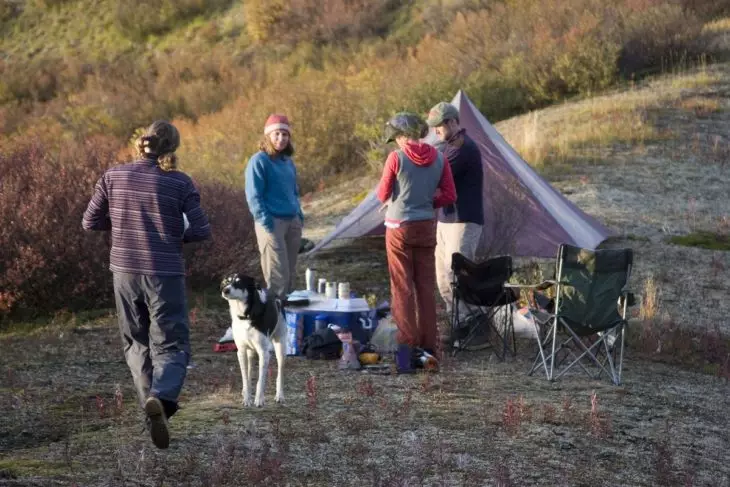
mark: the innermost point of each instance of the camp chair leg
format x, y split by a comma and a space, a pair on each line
588, 351
541, 344
621, 352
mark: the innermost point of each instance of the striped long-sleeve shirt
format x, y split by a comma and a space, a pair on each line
143, 207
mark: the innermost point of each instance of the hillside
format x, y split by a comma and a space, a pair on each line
71, 418
625, 108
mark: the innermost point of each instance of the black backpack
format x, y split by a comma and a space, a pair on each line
322, 345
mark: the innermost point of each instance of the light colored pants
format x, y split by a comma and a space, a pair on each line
279, 250
451, 238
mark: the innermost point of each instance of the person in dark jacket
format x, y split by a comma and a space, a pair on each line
147, 205
416, 180
460, 225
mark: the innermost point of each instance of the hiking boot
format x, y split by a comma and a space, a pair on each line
155, 412
426, 360
404, 359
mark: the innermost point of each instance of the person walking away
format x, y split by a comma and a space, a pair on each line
273, 199
144, 205
460, 225
416, 179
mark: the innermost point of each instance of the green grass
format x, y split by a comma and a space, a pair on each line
705, 240
60, 32
18, 326
21, 467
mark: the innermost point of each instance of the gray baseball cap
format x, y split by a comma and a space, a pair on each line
440, 113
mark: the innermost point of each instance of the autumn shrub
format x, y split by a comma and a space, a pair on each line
28, 81
707, 9
316, 20
47, 262
323, 112
232, 247
658, 36
46, 4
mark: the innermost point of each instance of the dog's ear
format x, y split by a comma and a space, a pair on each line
226, 281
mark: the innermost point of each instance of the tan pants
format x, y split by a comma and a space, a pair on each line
279, 250
451, 238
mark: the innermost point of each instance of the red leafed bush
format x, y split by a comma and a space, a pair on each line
47, 262
233, 245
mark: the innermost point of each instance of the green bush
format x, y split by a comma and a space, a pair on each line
9, 9
139, 19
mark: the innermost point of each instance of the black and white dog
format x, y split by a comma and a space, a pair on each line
258, 325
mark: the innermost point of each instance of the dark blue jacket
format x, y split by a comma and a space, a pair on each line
466, 167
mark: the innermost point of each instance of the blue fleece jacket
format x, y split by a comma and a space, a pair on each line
271, 189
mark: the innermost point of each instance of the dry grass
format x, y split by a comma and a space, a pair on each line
478, 421
69, 415
650, 301
719, 26
700, 106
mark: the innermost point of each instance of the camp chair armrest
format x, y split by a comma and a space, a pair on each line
540, 286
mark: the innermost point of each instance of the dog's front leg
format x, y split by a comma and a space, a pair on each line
251, 356
244, 363
279, 351
263, 368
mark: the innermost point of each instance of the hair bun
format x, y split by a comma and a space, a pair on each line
150, 143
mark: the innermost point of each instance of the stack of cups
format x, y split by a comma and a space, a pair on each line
343, 290
331, 290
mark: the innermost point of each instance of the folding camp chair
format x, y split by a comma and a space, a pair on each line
588, 312
487, 309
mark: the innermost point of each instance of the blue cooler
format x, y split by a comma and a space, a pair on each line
301, 324
361, 324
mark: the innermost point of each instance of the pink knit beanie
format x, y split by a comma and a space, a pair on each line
276, 122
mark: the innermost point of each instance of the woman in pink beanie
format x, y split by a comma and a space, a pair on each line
273, 199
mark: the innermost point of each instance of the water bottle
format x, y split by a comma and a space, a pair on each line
310, 277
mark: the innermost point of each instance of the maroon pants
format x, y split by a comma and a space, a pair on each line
412, 269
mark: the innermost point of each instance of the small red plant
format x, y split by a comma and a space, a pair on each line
118, 401
502, 474
365, 387
511, 417
194, 316
100, 407
598, 424
311, 390
548, 413
406, 405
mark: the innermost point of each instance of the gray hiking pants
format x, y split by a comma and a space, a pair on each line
279, 251
153, 322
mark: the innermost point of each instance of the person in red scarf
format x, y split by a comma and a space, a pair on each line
416, 181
